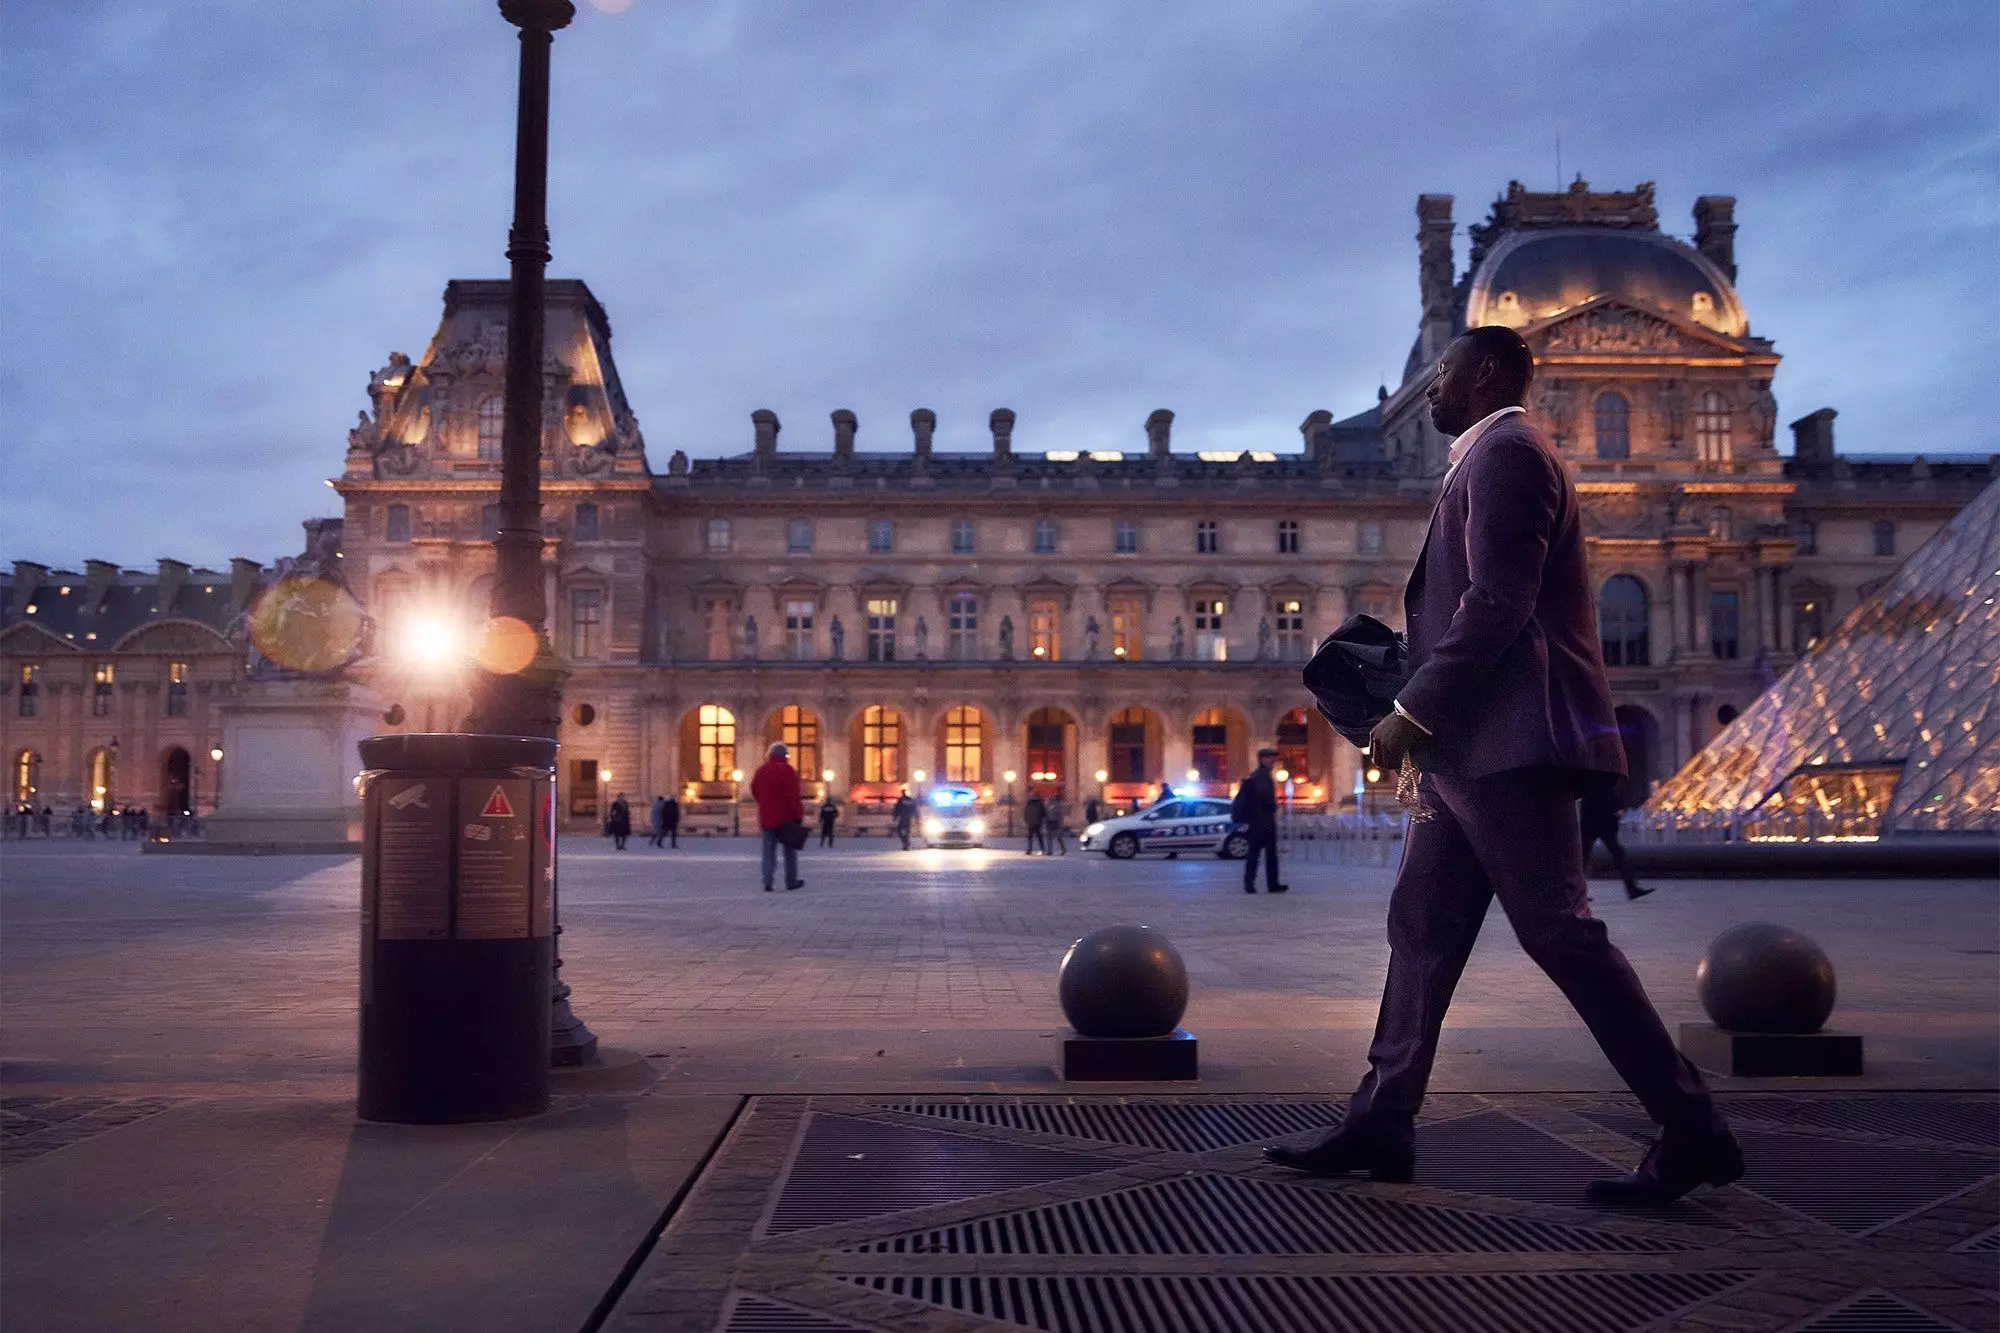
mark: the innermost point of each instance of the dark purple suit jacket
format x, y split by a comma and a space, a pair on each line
1505, 667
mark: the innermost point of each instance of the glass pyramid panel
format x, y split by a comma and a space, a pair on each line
1905, 690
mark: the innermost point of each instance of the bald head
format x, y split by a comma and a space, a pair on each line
1484, 370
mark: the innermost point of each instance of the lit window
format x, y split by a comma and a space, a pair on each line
798, 728
177, 689
1044, 630
1289, 618
1045, 536
31, 692
102, 681
1885, 536
1711, 428
799, 634
492, 425
586, 622
1721, 523
799, 535
881, 535
1622, 622
962, 625
1128, 626
881, 744
1206, 540
715, 742
882, 629
1288, 536
715, 628
1210, 642
489, 523
1723, 623
718, 535
1369, 538
964, 745
1295, 746
1613, 425
399, 523
586, 523
1125, 537
1211, 745
1128, 746
963, 537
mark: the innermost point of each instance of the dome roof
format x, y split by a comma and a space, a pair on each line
1530, 275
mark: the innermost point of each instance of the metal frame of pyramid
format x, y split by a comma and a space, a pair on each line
1889, 726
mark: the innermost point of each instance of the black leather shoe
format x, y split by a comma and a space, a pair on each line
1633, 893
1673, 1165
796, 884
1249, 888
1281, 888
1342, 1153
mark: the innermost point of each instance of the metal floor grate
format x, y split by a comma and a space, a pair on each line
1853, 1186
1408, 1303
754, 1314
847, 1168
1985, 1243
1212, 1214
1493, 1153
1946, 1121
31, 1125
1876, 1312
1174, 1126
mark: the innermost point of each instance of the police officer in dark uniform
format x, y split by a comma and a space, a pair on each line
1256, 808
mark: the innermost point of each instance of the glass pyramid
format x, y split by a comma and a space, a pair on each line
1891, 725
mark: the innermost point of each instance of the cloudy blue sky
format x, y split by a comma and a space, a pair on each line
222, 216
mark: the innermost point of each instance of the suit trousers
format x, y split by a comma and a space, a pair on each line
1266, 841
1513, 836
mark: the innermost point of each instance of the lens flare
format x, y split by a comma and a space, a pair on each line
507, 646
307, 624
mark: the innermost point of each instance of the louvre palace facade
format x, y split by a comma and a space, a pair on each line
899, 614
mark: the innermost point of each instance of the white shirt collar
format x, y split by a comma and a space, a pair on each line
1478, 428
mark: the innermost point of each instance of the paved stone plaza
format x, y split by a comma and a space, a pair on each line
178, 1057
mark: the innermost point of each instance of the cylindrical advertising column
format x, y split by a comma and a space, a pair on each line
457, 877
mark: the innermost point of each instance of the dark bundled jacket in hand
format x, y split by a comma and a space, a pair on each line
1355, 675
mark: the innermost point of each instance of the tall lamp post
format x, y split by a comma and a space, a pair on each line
528, 702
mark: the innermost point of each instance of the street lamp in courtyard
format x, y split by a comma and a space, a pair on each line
1008, 800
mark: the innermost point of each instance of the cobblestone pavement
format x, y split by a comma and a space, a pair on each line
893, 969
1097, 1215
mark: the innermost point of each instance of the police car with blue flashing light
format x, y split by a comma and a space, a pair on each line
951, 818
1183, 824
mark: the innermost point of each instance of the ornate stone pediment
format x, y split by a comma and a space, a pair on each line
1607, 326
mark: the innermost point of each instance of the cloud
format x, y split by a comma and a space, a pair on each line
1079, 212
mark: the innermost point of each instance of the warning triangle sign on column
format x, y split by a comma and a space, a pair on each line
497, 806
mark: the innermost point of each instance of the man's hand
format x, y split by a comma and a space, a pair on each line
1391, 740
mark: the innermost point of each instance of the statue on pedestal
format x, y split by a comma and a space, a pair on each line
1090, 633
1006, 638
836, 634
923, 640
1264, 640
750, 637
1177, 643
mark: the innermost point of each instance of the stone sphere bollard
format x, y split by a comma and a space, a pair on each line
1762, 977
1123, 981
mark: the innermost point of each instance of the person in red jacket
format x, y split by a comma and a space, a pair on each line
776, 788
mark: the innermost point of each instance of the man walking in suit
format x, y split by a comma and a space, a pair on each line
1600, 824
1508, 710
1256, 808
829, 813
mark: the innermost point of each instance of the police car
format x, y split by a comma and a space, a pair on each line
951, 818
1184, 824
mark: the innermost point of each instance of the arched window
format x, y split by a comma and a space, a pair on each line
1621, 620
881, 744
492, 424
25, 776
103, 790
1614, 426
798, 728
1128, 746
717, 742
964, 745
1711, 428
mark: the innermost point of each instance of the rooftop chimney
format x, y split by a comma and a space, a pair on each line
765, 422
1715, 231
1314, 429
1812, 437
923, 422
173, 577
245, 577
1002, 423
844, 424
1160, 433
28, 578
99, 575
1435, 275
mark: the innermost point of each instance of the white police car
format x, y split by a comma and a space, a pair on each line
1184, 824
951, 817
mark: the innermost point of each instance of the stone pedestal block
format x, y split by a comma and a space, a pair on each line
1772, 1054
289, 759
1128, 1059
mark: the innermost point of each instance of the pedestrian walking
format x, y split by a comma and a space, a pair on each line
1090, 812
1508, 708
619, 825
1598, 822
1166, 794
656, 826
1256, 809
780, 815
829, 813
1035, 814
671, 816
1052, 826
902, 815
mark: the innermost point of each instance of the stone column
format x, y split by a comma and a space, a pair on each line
1176, 746
1682, 732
